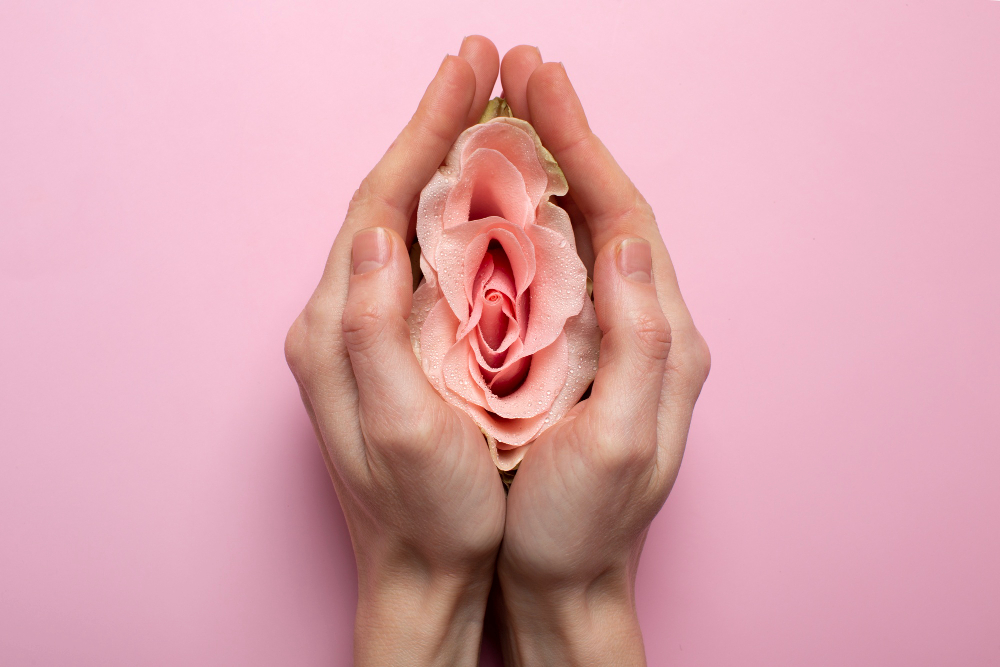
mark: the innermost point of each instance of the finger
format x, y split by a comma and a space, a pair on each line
482, 55
392, 389
388, 195
515, 70
605, 195
634, 350
607, 198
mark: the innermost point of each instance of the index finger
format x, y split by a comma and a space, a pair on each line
389, 193
605, 195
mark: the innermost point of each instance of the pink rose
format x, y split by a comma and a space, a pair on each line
502, 322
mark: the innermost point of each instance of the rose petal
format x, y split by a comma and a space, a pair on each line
518, 147
430, 212
504, 456
514, 432
510, 379
435, 195
557, 184
558, 290
545, 378
502, 277
437, 337
458, 369
478, 287
424, 300
492, 321
512, 345
461, 251
488, 186
583, 339
557, 219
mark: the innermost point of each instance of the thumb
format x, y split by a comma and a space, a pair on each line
392, 388
626, 393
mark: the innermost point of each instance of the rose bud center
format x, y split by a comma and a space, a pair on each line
493, 322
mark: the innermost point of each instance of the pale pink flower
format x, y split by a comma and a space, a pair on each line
502, 322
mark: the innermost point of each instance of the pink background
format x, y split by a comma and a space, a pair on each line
827, 175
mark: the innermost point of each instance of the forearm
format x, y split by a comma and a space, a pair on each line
570, 626
419, 620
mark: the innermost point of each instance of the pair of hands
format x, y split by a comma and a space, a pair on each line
426, 509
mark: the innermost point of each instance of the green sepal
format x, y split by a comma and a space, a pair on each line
496, 108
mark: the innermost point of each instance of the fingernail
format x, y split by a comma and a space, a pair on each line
464, 40
369, 250
635, 260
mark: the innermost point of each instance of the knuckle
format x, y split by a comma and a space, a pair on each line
362, 197
295, 343
403, 428
303, 347
653, 335
693, 363
363, 323
623, 451
703, 357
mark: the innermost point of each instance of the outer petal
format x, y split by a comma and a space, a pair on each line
518, 146
505, 459
433, 198
557, 219
583, 338
557, 184
424, 299
437, 337
512, 432
430, 211
489, 185
558, 290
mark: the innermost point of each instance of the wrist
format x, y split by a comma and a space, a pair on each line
570, 623
411, 615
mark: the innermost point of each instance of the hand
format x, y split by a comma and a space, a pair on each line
422, 498
585, 493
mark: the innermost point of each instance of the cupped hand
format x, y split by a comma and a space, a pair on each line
585, 493
422, 498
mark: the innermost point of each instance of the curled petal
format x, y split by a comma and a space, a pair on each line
458, 368
517, 145
549, 369
557, 184
489, 185
430, 213
424, 299
558, 290
557, 219
493, 321
461, 251
512, 345
504, 457
437, 337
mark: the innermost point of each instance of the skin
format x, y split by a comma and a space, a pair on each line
429, 521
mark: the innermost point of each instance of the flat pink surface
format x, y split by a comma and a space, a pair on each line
826, 174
